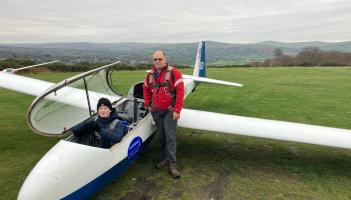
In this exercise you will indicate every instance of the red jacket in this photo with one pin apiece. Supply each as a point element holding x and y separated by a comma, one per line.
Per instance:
<point>161,98</point>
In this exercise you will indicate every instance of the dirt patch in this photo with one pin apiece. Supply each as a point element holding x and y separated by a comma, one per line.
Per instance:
<point>146,190</point>
<point>215,190</point>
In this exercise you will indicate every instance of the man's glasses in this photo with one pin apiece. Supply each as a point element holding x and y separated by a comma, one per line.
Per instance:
<point>157,59</point>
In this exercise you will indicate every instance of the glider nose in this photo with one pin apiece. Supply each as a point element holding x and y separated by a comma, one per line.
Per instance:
<point>31,191</point>
<point>64,170</point>
<point>47,180</point>
<point>29,196</point>
<point>39,183</point>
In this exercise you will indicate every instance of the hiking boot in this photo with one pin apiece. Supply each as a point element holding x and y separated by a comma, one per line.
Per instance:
<point>161,164</point>
<point>173,170</point>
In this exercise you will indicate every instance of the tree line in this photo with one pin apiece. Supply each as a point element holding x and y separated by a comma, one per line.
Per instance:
<point>63,67</point>
<point>309,56</point>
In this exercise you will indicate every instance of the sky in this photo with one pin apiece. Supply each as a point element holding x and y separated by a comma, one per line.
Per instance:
<point>174,21</point>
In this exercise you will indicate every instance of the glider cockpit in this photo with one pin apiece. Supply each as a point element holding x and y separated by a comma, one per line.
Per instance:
<point>72,101</point>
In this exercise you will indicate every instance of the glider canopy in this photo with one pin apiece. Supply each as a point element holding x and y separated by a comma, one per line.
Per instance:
<point>71,101</point>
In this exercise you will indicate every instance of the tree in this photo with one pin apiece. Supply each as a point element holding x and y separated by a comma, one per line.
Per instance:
<point>309,56</point>
<point>277,52</point>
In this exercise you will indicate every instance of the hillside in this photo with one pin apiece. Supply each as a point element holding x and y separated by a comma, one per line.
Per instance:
<point>182,53</point>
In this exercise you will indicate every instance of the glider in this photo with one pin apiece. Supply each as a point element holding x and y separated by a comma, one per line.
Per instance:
<point>62,173</point>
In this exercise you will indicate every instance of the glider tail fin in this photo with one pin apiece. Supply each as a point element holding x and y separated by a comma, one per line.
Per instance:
<point>200,63</point>
<point>199,74</point>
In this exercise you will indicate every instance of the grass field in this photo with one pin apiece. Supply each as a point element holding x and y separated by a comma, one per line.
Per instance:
<point>216,165</point>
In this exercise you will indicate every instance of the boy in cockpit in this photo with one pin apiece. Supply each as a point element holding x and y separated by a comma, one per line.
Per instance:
<point>108,126</point>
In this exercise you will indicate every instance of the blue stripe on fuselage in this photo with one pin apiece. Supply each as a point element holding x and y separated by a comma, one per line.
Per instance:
<point>98,183</point>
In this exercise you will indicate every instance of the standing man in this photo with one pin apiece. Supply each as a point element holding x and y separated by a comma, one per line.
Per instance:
<point>163,95</point>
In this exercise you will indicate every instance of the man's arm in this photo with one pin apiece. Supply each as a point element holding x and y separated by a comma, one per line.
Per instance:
<point>179,90</point>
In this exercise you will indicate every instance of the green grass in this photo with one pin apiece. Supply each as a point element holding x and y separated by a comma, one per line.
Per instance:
<point>216,165</point>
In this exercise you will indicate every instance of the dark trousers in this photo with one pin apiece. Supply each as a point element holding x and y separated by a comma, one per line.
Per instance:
<point>167,130</point>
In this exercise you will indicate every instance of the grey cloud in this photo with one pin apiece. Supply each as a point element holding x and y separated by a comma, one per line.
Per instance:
<point>173,21</point>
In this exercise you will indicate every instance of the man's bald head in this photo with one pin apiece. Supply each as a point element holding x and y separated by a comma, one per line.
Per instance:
<point>160,59</point>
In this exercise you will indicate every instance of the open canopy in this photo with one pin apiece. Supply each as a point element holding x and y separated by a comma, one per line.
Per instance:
<point>71,101</point>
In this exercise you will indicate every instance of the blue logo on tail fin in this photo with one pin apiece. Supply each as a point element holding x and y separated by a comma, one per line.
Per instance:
<point>202,67</point>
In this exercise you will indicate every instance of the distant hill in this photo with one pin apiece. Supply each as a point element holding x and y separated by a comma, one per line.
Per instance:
<point>182,53</point>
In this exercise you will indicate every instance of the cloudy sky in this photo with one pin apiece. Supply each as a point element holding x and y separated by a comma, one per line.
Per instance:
<point>236,21</point>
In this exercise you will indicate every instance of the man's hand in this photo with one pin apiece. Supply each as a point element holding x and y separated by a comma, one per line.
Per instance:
<point>176,116</point>
<point>151,109</point>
